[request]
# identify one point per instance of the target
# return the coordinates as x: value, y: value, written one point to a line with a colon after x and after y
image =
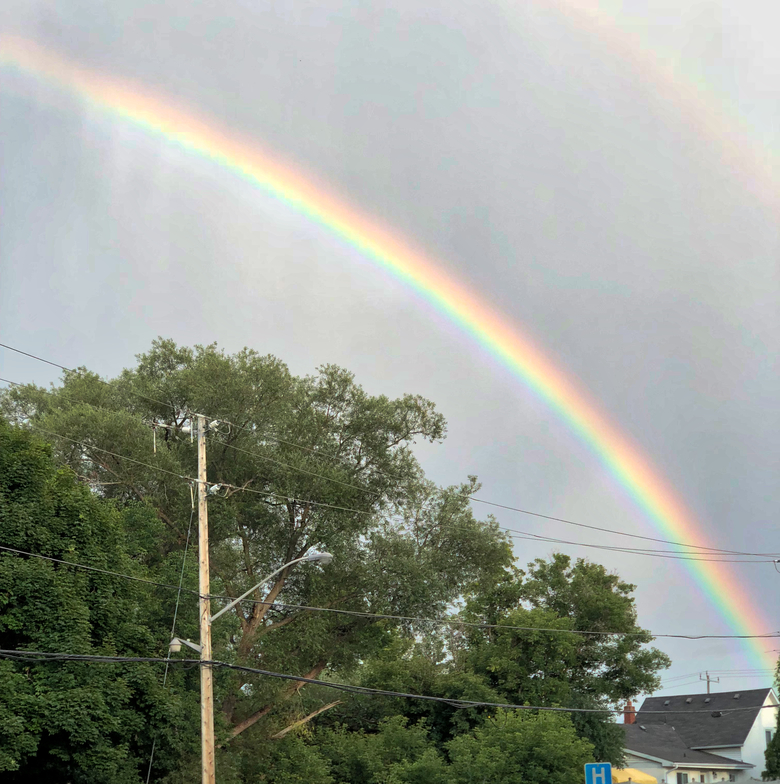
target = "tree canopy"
x: 299, y: 463
x: 68, y: 722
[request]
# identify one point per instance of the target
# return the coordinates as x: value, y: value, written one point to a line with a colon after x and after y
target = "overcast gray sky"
x: 530, y: 154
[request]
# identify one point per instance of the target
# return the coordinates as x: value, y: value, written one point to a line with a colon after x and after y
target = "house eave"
x: 649, y: 757
x: 730, y: 765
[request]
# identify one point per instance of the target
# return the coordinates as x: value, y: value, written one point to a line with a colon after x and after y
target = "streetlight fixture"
x: 312, y: 557
x: 174, y: 646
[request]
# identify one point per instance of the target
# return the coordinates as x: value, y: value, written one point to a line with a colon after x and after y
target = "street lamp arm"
x: 324, y: 557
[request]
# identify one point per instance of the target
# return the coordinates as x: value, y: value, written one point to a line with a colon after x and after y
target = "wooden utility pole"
x: 206, y: 682
x: 709, y: 679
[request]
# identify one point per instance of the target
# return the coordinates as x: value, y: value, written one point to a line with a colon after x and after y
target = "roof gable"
x: 704, y: 720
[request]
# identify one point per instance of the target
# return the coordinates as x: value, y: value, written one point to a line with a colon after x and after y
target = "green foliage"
x: 402, y: 545
x: 543, y: 668
x: 410, y: 668
x: 73, y: 722
x: 396, y: 753
x: 320, y: 464
x: 513, y: 747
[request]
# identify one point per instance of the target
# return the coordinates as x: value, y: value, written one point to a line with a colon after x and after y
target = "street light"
x: 174, y: 646
x: 312, y: 557
x: 207, y: 702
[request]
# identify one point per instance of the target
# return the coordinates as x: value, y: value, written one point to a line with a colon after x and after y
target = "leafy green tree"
x: 320, y: 463
x: 613, y: 667
x: 514, y: 746
x: 772, y: 757
x: 587, y: 670
x: 303, y: 462
x: 410, y: 667
x: 525, y: 667
x: 67, y: 721
x: 397, y: 753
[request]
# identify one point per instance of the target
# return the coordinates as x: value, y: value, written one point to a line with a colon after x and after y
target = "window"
x: 732, y: 777
x: 682, y: 778
x: 768, y: 736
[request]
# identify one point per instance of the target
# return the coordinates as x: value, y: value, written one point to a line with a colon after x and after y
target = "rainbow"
x: 432, y: 284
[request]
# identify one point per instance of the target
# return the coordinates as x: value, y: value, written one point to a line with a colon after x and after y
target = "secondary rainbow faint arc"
x: 491, y: 330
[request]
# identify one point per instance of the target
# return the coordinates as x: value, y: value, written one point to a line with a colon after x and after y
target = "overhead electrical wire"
x: 405, y: 618
x: 479, y: 625
x: 476, y: 499
x: 691, y: 547
x: 684, y: 555
x: 480, y: 500
x: 79, y: 373
x: 15, y: 551
x: 46, y: 656
x: 173, y: 628
x: 690, y: 556
x: 513, y: 532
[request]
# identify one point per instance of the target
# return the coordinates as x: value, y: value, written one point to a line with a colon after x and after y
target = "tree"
x: 772, y: 756
x: 300, y: 463
x: 397, y: 753
x: 515, y: 746
x: 585, y: 670
x: 319, y: 463
x: 76, y: 722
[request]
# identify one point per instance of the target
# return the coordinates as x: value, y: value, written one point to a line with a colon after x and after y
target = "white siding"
x: 669, y: 775
x: 755, y: 743
x: 647, y: 766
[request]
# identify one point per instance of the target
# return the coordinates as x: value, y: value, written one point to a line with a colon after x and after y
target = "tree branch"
x: 279, y: 735
x: 265, y: 710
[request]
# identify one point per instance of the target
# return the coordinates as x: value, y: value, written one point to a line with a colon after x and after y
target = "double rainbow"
x: 432, y: 284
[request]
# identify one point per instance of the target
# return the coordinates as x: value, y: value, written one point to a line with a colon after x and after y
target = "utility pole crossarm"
x: 709, y: 680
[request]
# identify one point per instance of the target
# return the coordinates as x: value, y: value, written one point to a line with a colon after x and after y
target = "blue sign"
x: 598, y: 773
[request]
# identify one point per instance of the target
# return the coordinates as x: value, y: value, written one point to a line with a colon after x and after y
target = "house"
x: 701, y: 737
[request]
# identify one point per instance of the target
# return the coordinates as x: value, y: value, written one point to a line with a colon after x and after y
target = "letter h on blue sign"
x: 598, y: 773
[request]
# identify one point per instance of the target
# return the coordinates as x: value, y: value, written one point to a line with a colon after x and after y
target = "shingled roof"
x: 706, y: 720
x: 662, y: 741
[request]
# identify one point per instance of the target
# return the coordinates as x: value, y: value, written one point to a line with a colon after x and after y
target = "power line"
x: 409, y: 618
x: 478, y: 625
x: 565, y: 521
x: 689, y: 556
x: 481, y: 500
x: 39, y: 359
x: 173, y: 629
x: 45, y: 656
x: 80, y: 373
x: 90, y: 568
x: 113, y: 454
x: 512, y: 532
x: 713, y: 550
x: 685, y: 555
